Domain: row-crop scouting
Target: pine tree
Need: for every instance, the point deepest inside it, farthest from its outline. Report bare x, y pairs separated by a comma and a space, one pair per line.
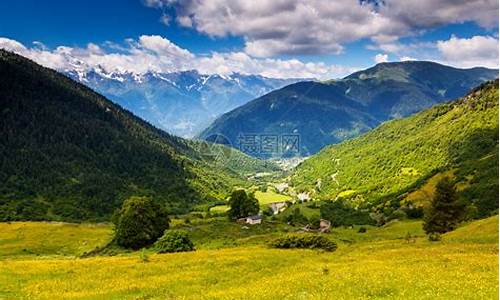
445, 211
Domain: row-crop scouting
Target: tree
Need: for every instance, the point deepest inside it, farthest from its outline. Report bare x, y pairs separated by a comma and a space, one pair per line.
140, 222
445, 211
242, 204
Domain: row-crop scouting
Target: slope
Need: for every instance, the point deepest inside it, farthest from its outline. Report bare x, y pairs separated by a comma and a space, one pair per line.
69, 153
459, 137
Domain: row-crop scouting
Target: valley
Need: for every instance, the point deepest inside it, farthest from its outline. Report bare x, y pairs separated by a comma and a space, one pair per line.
97, 203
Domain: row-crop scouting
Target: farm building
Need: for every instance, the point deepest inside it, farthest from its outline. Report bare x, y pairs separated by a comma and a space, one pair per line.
278, 207
252, 220
324, 225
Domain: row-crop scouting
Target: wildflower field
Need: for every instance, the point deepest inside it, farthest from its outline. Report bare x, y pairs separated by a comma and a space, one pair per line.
381, 263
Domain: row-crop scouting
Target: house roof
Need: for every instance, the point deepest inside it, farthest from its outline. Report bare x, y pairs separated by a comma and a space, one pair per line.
256, 217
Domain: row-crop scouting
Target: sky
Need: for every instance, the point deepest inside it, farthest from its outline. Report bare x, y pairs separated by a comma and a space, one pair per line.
275, 38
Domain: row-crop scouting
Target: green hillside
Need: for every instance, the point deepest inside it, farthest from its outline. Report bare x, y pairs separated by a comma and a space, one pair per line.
381, 166
67, 153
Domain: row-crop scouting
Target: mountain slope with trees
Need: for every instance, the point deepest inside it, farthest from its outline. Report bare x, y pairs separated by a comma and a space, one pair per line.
382, 166
67, 153
323, 113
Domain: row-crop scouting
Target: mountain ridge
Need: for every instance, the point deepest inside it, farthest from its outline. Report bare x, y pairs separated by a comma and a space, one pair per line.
324, 113
183, 102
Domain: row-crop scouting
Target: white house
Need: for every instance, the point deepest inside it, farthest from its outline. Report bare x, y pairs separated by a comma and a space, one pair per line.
324, 225
252, 220
280, 187
303, 196
277, 207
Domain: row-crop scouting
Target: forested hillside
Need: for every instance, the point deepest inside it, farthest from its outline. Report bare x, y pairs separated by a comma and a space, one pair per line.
68, 153
385, 164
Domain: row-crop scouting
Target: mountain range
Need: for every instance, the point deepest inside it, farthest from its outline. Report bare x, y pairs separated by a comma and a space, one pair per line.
68, 153
324, 113
181, 103
391, 165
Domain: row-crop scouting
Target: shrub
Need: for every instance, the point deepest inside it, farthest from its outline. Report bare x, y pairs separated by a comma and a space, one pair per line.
196, 215
362, 230
414, 212
139, 223
296, 218
305, 242
434, 237
174, 241
143, 256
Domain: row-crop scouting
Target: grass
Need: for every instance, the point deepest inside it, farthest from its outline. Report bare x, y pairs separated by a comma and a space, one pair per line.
270, 197
219, 208
376, 264
264, 199
51, 238
304, 210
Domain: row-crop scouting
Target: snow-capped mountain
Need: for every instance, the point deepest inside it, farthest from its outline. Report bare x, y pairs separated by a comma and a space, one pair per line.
182, 103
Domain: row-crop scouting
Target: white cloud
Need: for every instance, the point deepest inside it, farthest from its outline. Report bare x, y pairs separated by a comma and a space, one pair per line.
285, 26
431, 13
470, 52
381, 58
316, 26
407, 58
158, 54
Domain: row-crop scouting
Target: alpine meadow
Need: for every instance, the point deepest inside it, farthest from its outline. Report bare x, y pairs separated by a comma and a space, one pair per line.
164, 149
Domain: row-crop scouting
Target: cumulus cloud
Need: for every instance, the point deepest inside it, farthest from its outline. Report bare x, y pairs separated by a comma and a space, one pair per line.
316, 26
381, 58
420, 14
470, 52
158, 54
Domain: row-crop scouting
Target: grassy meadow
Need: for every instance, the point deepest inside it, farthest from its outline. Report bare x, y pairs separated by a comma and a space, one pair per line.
264, 198
381, 263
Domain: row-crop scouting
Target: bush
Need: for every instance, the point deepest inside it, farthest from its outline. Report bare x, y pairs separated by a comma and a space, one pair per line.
174, 241
434, 237
139, 223
305, 242
143, 256
296, 218
362, 230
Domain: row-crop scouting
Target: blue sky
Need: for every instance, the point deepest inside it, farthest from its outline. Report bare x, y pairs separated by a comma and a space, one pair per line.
296, 38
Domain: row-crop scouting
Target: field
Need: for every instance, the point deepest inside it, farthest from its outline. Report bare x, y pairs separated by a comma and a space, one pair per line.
219, 208
270, 197
380, 263
264, 199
